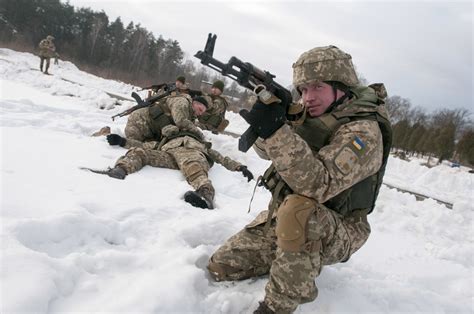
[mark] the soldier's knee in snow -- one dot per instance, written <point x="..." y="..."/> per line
<point x="292" y="221"/>
<point x="224" y="272"/>
<point x="220" y="272"/>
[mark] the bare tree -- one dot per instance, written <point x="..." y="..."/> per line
<point x="398" y="108"/>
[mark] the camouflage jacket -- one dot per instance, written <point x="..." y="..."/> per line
<point x="47" y="48"/>
<point x="214" y="115"/>
<point x="219" y="105"/>
<point x="337" y="166"/>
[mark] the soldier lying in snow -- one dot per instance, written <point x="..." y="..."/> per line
<point x="164" y="135"/>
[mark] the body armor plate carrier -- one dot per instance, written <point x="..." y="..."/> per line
<point x="317" y="132"/>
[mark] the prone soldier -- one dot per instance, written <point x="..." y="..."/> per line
<point x="175" y="142"/>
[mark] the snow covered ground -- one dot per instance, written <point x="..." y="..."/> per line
<point x="74" y="241"/>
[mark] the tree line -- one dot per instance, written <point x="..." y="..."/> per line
<point x="447" y="134"/>
<point x="133" y="54"/>
<point x="110" y="49"/>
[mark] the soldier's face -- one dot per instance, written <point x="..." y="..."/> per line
<point x="215" y="91"/>
<point x="198" y="108"/>
<point x="317" y="97"/>
<point x="179" y="84"/>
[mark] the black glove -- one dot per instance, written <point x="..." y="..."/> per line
<point x="115" y="139"/>
<point x="246" y="173"/>
<point x="265" y="119"/>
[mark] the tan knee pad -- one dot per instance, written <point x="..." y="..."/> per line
<point x="292" y="221"/>
<point x="193" y="170"/>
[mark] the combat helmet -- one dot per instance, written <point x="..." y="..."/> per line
<point x="49" y="37"/>
<point x="324" y="64"/>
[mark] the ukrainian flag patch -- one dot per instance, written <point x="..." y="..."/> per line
<point x="358" y="143"/>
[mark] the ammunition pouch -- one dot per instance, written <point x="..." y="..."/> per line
<point x="272" y="181"/>
<point x="181" y="133"/>
<point x="292" y="221"/>
<point x="158" y="120"/>
<point x="212" y="120"/>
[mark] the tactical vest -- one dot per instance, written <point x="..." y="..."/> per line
<point x="160" y="117"/>
<point x="317" y="132"/>
<point x="214" y="120"/>
<point x="210" y="117"/>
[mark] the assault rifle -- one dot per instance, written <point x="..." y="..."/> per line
<point x="157" y="87"/>
<point x="143" y="103"/>
<point x="172" y="86"/>
<point x="248" y="76"/>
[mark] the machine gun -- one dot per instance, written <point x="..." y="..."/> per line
<point x="157" y="87"/>
<point x="171" y="86"/>
<point x="248" y="76"/>
<point x="143" y="103"/>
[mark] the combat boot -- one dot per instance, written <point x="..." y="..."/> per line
<point x="201" y="198"/>
<point x="263" y="309"/>
<point x="117" y="173"/>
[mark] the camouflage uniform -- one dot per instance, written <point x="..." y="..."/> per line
<point x="187" y="152"/>
<point x="139" y="125"/>
<point x="304" y="233"/>
<point x="214" y="117"/>
<point x="47" y="51"/>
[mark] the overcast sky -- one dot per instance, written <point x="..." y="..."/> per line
<point x="421" y="50"/>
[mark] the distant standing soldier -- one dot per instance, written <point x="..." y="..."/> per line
<point x="47" y="51"/>
<point x="214" y="118"/>
<point x="178" y="144"/>
<point x="325" y="175"/>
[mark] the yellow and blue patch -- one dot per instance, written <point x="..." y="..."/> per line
<point x="358" y="143"/>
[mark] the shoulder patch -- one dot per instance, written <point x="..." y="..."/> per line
<point x="345" y="160"/>
<point x="358" y="143"/>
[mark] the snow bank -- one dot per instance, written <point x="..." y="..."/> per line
<point x="73" y="241"/>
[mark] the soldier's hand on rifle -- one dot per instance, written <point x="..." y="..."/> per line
<point x="115" y="139"/>
<point x="265" y="119"/>
<point x="246" y="173"/>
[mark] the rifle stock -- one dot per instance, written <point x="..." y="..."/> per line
<point x="246" y="75"/>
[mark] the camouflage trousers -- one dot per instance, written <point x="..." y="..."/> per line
<point x="192" y="163"/>
<point x="42" y="59"/>
<point x="330" y="238"/>
<point x="138" y="126"/>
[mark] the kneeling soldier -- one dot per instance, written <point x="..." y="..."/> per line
<point x="325" y="175"/>
<point x="214" y="118"/>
